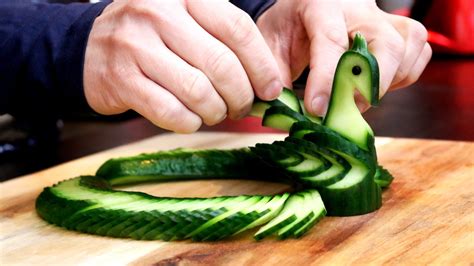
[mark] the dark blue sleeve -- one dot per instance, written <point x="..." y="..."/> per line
<point x="42" y="50"/>
<point x="253" y="7"/>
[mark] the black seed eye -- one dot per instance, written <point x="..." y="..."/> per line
<point x="356" y="70"/>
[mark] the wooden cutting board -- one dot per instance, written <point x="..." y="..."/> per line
<point x="427" y="216"/>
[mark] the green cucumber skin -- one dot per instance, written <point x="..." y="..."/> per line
<point x="55" y="209"/>
<point x="326" y="137"/>
<point x="184" y="165"/>
<point x="383" y="177"/>
<point x="365" y="197"/>
<point x="361" y="198"/>
<point x="89" y="217"/>
<point x="277" y="155"/>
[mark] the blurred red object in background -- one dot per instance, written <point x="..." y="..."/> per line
<point x="450" y="24"/>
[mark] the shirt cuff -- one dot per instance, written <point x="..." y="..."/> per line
<point x="254" y="8"/>
<point x="70" y="64"/>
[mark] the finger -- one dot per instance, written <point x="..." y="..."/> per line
<point x="328" y="37"/>
<point x="160" y="106"/>
<point x="361" y="103"/>
<point x="187" y="83"/>
<point x="235" y="28"/>
<point x="417" y="69"/>
<point x="192" y="43"/>
<point x="388" y="46"/>
<point x="415" y="36"/>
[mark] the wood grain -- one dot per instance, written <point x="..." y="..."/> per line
<point x="427" y="216"/>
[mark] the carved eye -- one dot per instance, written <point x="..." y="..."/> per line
<point x="356" y="70"/>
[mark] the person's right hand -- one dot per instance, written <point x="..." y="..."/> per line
<point x="177" y="63"/>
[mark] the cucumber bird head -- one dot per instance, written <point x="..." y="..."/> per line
<point x="357" y="70"/>
<point x="362" y="69"/>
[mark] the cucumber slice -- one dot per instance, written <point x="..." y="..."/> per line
<point x="275" y="206"/>
<point x="325" y="137"/>
<point x="319" y="212"/>
<point x="312" y="164"/>
<point x="282" y="118"/>
<point x="287" y="98"/>
<point x="383" y="177"/>
<point x="184" y="165"/>
<point x="337" y="169"/>
<point x="205" y="230"/>
<point x="303" y="215"/>
<point x="312" y="118"/>
<point x="276" y="154"/>
<point x="287" y="216"/>
<point x="87" y="204"/>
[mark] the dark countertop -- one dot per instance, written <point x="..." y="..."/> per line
<point x="439" y="106"/>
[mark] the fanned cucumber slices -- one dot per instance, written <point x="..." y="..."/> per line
<point x="331" y="163"/>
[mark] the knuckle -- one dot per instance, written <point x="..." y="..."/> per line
<point x="172" y="112"/>
<point x="146" y="10"/>
<point x="335" y="36"/>
<point x="242" y="104"/>
<point x="402" y="73"/>
<point x="119" y="39"/>
<point x="395" y="45"/>
<point x="196" y="87"/>
<point x="417" y="31"/>
<point x="411" y="79"/>
<point x="428" y="52"/>
<point x="220" y="61"/>
<point x="137" y="7"/>
<point x="243" y="29"/>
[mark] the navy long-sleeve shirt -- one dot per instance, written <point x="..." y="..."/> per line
<point x="42" y="49"/>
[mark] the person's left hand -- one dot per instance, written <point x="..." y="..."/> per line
<point x="316" y="33"/>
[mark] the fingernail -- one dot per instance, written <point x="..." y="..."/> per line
<point x="273" y="91"/>
<point x="319" y="105"/>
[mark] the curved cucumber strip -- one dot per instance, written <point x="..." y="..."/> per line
<point x="287" y="99"/>
<point x="80" y="204"/>
<point x="184" y="164"/>
<point x="280" y="117"/>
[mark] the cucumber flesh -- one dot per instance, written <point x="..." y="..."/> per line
<point x="287" y="98"/>
<point x="319" y="211"/>
<point x="279" y="117"/>
<point x="287" y="216"/>
<point x="303" y="215"/>
<point x="356" y="69"/>
<point x="312" y="118"/>
<point x="275" y="206"/>
<point x="137" y="215"/>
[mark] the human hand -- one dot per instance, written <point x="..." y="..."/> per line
<point x="178" y="63"/>
<point x="316" y="33"/>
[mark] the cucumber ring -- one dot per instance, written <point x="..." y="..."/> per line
<point x="331" y="158"/>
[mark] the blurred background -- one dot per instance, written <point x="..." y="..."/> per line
<point x="439" y="106"/>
